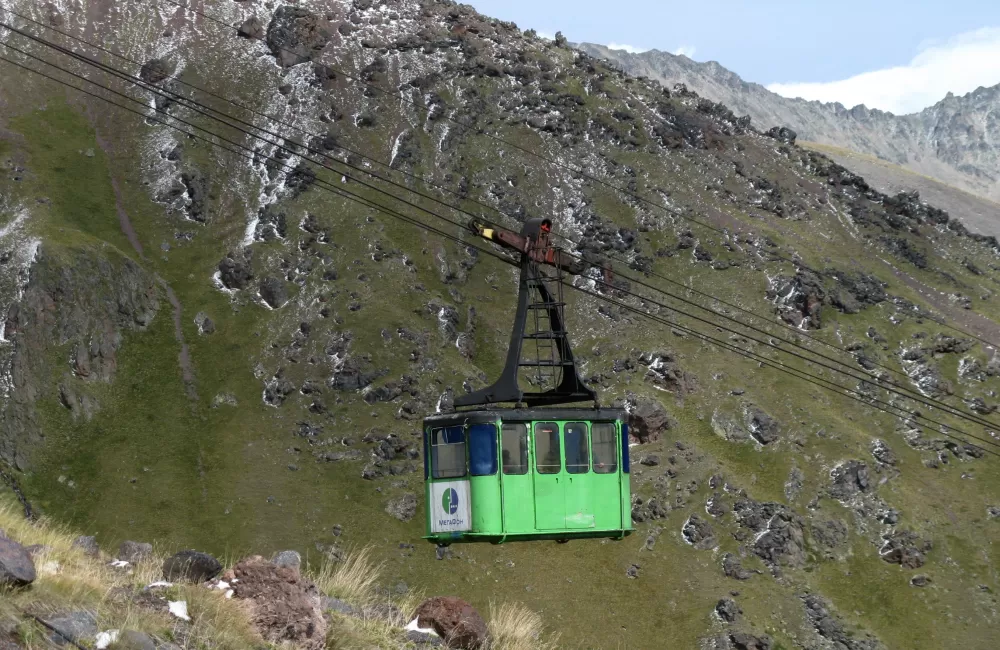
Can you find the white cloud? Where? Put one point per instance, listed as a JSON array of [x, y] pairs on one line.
[[631, 49], [959, 65], [685, 50]]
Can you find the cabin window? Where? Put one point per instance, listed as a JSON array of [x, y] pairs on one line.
[[427, 455], [483, 449], [605, 447], [625, 463], [577, 449], [448, 452], [514, 445], [547, 459]]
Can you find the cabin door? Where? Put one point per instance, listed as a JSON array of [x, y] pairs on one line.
[[549, 480], [578, 479], [516, 481]]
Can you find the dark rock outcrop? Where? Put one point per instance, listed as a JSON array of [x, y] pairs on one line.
[[733, 568], [829, 627], [235, 270], [251, 28], [698, 533], [848, 480], [728, 610], [295, 35], [782, 134], [905, 548], [648, 420], [155, 70], [776, 531], [273, 292]]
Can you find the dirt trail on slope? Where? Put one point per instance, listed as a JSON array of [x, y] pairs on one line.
[[184, 356]]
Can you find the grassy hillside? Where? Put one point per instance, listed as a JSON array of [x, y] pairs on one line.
[[257, 435]]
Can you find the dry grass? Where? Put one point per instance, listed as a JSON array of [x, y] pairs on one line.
[[352, 580], [68, 580], [515, 627]]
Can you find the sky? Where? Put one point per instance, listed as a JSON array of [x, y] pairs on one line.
[[895, 55]]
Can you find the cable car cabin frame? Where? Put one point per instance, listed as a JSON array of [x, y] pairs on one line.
[[527, 473]]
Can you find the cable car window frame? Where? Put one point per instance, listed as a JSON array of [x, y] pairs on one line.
[[548, 468], [608, 447], [519, 429], [577, 468], [482, 446], [448, 433]]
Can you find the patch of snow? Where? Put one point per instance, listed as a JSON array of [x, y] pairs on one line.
[[105, 639], [179, 608], [414, 626]]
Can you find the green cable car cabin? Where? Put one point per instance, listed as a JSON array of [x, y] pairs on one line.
[[539, 470], [521, 474]]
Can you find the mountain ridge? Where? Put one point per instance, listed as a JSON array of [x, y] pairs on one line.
[[948, 141]]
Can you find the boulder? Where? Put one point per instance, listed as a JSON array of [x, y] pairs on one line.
[[251, 28], [782, 134], [134, 551], [648, 420], [295, 36], [133, 640], [77, 627], [273, 292], [284, 606], [728, 610], [905, 548], [761, 426], [733, 568], [17, 569], [155, 70], [87, 544], [205, 324], [191, 566], [288, 560], [698, 533], [882, 454], [454, 620], [235, 271], [849, 479]]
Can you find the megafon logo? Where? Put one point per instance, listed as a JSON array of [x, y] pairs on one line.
[[449, 501]]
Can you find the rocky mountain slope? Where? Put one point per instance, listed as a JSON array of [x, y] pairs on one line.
[[216, 352], [953, 141]]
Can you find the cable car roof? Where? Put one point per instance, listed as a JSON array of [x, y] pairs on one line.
[[528, 415]]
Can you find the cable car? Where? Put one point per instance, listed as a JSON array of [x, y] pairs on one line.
[[539, 469]]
